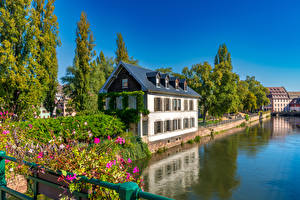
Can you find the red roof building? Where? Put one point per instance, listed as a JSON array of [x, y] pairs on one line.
[[279, 99]]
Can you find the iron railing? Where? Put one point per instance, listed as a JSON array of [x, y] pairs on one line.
[[126, 191]]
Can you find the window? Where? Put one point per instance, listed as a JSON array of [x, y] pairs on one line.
[[168, 125], [185, 123], [179, 104], [167, 82], [174, 102], [185, 86], [192, 122], [145, 127], [191, 105], [157, 127], [179, 123], [177, 84], [175, 125], [167, 104], [186, 105], [157, 104], [124, 83], [157, 80]]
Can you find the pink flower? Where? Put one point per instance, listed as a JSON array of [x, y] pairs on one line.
[[7, 161], [108, 165], [85, 123], [129, 160], [71, 178], [121, 160], [96, 140], [30, 125], [136, 170], [128, 176], [1, 113], [5, 132], [108, 137], [40, 155], [120, 140]]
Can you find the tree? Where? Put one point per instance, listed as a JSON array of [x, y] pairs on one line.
[[21, 73], [107, 64], [225, 81], [46, 35], [259, 91], [78, 76], [168, 70], [122, 53], [199, 78]]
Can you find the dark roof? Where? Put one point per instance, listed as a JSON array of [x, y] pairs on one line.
[[139, 74], [142, 76]]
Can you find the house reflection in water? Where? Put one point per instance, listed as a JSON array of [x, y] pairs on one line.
[[177, 172], [281, 126]]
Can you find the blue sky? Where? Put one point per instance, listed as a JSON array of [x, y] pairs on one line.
[[263, 37]]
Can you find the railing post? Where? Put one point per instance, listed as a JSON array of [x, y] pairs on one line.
[[2, 175], [128, 191]]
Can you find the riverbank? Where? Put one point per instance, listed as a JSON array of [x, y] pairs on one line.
[[205, 134]]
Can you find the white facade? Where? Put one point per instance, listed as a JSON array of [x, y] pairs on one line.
[[162, 116]]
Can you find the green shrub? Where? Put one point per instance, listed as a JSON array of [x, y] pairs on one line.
[[81, 128], [197, 139], [247, 117], [242, 124], [161, 150], [135, 148], [190, 141]]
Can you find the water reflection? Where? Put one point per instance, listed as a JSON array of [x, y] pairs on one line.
[[178, 172], [225, 169]]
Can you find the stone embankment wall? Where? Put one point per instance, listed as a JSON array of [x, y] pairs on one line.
[[202, 132]]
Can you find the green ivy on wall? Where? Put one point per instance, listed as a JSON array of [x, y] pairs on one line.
[[126, 114]]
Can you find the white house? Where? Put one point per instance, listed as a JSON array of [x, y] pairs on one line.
[[172, 105]]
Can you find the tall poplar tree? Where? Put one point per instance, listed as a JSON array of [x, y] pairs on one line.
[[122, 53], [79, 75], [46, 34], [225, 81], [20, 86]]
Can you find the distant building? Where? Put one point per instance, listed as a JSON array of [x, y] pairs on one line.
[[294, 95], [173, 106], [44, 113], [62, 107], [279, 99], [295, 105]]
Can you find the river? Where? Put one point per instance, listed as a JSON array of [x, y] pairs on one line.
[[260, 162]]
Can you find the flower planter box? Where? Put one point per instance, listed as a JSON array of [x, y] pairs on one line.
[[58, 191]]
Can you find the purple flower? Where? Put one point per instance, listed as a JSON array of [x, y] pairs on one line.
[[129, 160], [5, 132]]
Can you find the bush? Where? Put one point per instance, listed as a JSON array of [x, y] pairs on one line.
[[197, 139], [190, 141], [247, 117], [82, 128]]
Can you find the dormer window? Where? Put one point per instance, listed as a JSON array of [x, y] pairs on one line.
[[167, 83], [157, 80], [185, 86], [177, 84]]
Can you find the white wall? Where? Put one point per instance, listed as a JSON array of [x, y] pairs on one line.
[[170, 115]]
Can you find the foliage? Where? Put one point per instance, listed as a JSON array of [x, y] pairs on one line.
[[135, 148], [197, 139], [226, 96], [79, 75], [259, 91], [247, 117], [126, 114], [200, 79], [28, 64], [190, 141], [122, 53], [99, 159], [82, 128]]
